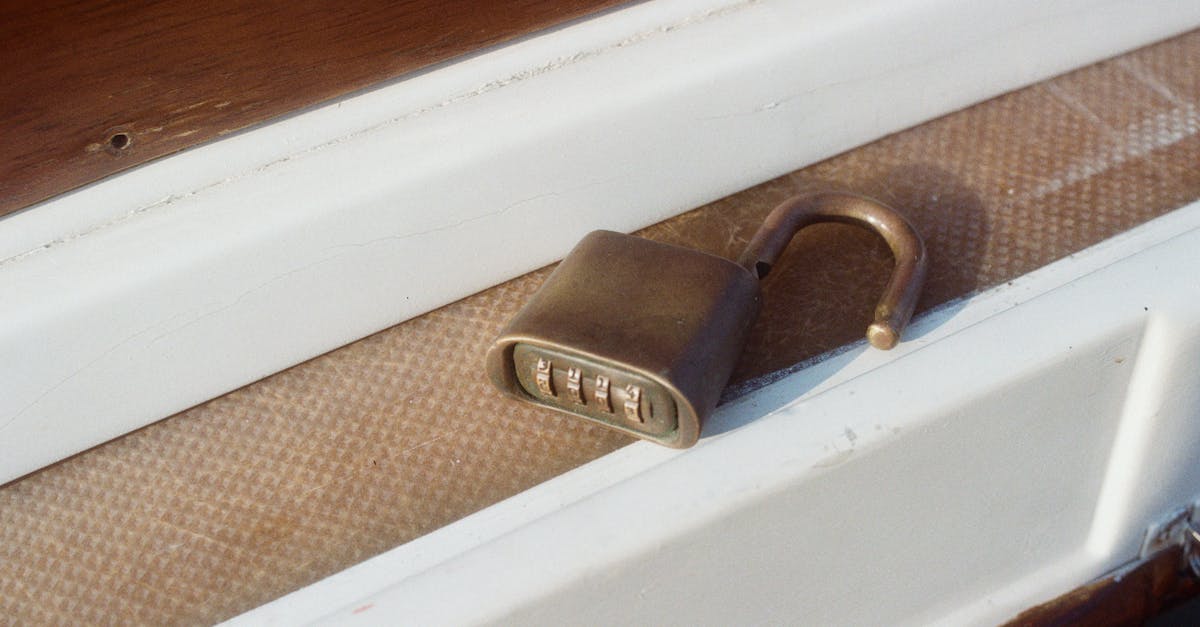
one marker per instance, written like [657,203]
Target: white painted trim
[1018,447]
[158,289]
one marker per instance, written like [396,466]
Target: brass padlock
[642,336]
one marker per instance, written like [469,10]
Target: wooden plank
[92,88]
[1158,584]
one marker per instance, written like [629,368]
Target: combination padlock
[641,336]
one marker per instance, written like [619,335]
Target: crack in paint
[517,77]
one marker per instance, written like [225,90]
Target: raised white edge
[1018,446]
[155,290]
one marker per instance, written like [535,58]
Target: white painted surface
[1018,447]
[158,289]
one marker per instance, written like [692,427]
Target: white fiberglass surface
[1018,445]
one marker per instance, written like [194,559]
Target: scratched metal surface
[254,494]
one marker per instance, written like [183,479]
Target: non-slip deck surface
[254,494]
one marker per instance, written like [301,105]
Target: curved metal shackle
[899,298]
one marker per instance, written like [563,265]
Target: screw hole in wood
[119,142]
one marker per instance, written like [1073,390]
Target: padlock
[642,336]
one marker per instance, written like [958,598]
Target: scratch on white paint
[517,77]
[468,220]
[837,458]
[7,422]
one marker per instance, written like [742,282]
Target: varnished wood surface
[1131,598]
[92,87]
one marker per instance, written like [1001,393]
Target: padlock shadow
[957,227]
[744,403]
[821,295]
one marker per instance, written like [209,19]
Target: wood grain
[92,88]
[1159,583]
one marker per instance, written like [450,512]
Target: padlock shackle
[899,298]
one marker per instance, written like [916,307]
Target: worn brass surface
[656,329]
[899,298]
[663,324]
[605,390]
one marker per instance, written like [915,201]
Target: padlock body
[638,335]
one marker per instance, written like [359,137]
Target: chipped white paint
[155,290]
[1018,447]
